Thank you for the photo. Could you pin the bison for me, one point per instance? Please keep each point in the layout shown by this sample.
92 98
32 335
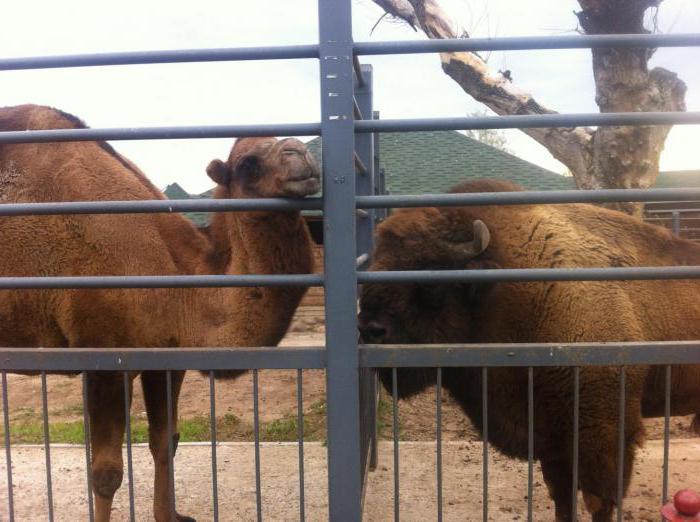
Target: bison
536 236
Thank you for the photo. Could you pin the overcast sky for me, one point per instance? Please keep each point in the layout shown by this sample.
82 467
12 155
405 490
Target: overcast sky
287 91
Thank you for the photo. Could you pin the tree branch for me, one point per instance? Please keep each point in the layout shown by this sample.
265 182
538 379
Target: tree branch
570 146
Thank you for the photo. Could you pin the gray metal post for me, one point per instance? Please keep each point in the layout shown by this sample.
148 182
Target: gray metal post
364 146
337 130
676 222
379 175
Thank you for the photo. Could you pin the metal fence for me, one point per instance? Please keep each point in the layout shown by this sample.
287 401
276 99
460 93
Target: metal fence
347 127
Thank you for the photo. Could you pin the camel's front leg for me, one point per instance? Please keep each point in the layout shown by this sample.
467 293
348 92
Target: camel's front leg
106 410
155 396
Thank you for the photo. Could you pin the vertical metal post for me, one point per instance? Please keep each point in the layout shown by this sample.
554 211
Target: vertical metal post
88 458
8 452
47 444
129 455
530 438
375 425
395 429
300 438
364 146
171 444
621 446
337 131
667 433
485 437
379 180
256 435
438 436
212 426
574 449
676 222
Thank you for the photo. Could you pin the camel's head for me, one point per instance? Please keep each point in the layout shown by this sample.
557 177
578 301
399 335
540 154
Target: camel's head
267 168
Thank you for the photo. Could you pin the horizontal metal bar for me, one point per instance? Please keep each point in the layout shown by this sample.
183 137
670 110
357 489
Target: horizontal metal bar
183 281
363 202
525 197
529 354
161 133
140 359
529 121
167 205
164 56
522 43
671 210
531 274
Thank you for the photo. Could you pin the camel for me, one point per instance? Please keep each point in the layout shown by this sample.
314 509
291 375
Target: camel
258 242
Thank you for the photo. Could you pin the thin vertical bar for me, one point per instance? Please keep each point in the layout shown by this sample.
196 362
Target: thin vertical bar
438 414
485 454
212 420
129 461
8 451
676 222
574 459
395 410
88 460
256 434
342 375
621 444
375 428
300 438
530 438
364 147
47 444
667 430
171 449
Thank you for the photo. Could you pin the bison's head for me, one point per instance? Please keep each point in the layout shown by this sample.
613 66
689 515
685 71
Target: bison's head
422 313
267 168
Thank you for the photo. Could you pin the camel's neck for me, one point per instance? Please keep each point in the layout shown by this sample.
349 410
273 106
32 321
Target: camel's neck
255 243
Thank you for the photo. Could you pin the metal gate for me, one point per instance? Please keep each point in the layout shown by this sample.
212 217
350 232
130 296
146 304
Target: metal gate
350 206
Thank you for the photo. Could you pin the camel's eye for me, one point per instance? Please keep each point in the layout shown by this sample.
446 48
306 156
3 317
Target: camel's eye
248 166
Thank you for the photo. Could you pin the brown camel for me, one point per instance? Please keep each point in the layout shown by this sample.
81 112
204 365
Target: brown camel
144 244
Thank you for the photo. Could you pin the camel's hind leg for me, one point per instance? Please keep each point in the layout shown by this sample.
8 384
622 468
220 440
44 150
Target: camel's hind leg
155 396
106 410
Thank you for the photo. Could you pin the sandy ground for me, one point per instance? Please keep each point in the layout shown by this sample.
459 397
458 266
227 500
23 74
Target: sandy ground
462 459
462 491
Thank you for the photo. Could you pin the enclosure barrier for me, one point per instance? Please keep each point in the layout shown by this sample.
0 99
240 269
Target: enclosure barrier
351 179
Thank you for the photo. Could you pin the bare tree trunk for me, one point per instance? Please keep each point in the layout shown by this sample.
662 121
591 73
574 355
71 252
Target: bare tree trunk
627 157
609 157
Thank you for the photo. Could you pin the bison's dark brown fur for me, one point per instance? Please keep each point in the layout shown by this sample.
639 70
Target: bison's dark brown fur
541 237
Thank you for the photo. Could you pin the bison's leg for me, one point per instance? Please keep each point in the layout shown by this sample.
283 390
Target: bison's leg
155 396
106 410
598 462
557 475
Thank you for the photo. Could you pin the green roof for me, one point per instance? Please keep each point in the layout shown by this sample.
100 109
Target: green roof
435 161
678 179
175 191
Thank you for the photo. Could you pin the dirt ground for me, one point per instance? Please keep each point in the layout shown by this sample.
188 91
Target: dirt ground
462 491
462 458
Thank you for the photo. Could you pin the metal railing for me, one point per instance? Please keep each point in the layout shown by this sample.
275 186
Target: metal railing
345 96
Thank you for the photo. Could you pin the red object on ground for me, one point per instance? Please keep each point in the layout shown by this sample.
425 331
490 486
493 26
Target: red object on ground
685 507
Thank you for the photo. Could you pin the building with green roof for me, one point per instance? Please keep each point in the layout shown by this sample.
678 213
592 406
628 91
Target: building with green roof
434 161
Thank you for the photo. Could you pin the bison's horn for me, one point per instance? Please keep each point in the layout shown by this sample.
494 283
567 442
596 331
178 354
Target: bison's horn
465 251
